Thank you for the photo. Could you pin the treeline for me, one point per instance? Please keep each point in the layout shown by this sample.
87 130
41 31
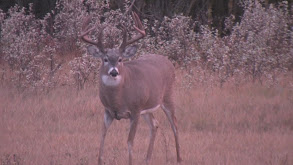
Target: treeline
205 12
259 48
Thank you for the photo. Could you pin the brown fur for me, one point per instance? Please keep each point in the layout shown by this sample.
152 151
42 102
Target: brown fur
145 83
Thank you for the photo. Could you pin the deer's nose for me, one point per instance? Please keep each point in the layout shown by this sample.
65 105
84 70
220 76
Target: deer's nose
114 73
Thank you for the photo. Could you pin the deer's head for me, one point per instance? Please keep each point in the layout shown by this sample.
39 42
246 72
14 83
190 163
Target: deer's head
112 59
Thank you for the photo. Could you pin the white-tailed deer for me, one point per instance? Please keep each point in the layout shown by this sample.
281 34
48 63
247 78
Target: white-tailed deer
131 89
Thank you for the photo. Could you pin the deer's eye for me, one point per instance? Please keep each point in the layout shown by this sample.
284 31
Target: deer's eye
105 60
120 60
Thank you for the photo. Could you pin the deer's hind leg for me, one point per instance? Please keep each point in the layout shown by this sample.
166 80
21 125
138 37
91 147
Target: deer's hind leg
153 124
169 109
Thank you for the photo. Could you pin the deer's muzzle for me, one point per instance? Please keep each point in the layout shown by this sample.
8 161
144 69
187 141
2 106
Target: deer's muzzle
114 73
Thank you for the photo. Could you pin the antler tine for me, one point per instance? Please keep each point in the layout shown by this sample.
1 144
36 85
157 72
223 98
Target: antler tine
100 40
124 42
86 30
138 27
86 23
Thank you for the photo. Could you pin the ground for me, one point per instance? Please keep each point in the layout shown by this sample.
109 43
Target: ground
247 124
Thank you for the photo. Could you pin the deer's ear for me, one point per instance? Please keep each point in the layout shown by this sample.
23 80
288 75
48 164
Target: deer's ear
95 51
129 51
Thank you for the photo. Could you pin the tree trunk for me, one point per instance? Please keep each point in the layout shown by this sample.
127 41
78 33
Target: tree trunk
210 13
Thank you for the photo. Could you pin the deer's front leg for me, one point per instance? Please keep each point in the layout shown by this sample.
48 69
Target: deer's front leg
132 131
107 122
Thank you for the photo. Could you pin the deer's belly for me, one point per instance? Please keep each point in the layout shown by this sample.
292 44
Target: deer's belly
119 114
149 110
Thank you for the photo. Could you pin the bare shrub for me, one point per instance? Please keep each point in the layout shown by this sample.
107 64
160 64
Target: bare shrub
82 69
2 16
53 65
258 47
174 37
29 50
67 24
22 40
261 40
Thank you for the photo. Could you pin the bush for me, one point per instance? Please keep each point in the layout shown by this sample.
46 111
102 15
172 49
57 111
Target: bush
257 48
260 46
22 41
262 40
175 38
67 24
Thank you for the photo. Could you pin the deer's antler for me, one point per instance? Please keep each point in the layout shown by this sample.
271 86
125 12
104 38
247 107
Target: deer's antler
138 27
86 30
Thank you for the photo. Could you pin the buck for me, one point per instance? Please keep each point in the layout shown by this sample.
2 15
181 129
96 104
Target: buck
132 89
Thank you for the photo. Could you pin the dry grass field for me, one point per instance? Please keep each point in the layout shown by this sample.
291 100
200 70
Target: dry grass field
250 124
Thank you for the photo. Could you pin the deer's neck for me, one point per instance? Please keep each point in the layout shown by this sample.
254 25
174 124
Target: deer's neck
112 98
110 90
110 85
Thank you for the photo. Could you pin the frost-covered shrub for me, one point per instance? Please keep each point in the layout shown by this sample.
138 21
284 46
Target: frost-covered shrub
174 37
28 49
22 40
69 19
2 16
20 37
258 47
214 54
67 24
261 40
82 69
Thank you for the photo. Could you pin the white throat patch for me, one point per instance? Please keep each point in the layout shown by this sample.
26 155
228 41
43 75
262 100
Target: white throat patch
111 81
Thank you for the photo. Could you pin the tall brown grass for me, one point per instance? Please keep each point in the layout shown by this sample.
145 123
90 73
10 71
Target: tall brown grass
248 124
